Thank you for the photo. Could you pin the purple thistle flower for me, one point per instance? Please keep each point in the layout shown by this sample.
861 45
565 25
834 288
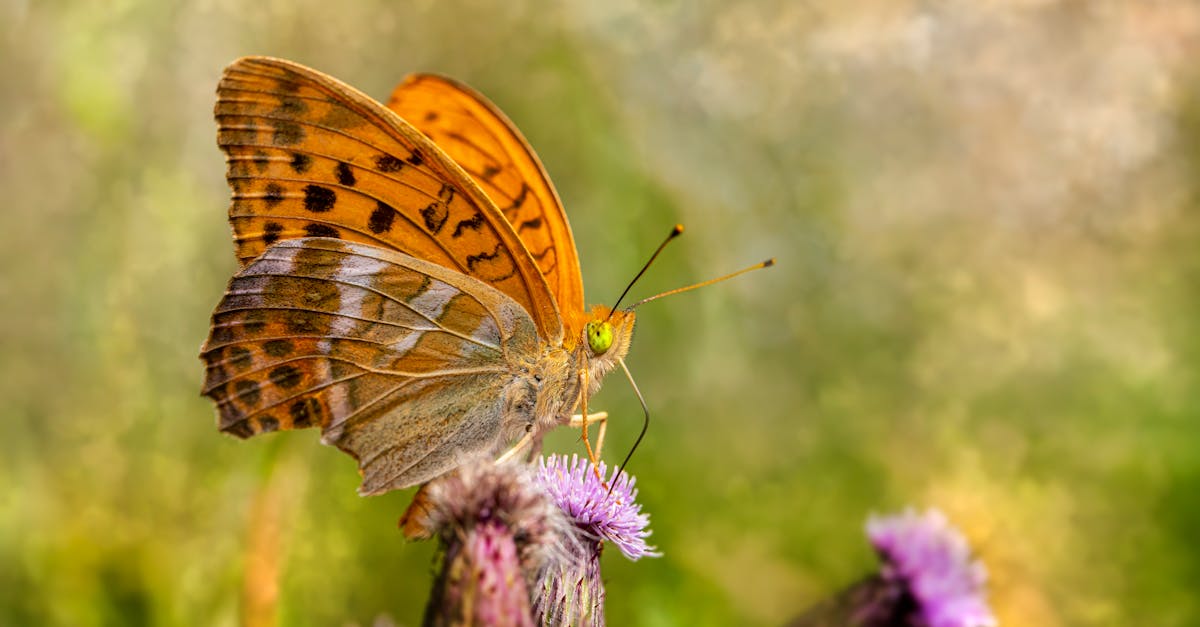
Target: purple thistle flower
522 543
615 516
931 561
572 591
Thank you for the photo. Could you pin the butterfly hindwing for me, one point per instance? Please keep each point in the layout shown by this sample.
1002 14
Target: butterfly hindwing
402 363
488 146
309 156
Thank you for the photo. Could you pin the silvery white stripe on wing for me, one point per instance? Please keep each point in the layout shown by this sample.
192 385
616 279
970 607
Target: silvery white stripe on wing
488 332
336 396
351 300
279 260
410 339
432 302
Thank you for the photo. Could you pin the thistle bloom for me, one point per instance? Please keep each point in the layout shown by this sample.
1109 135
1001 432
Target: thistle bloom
930 559
522 544
599 513
573 592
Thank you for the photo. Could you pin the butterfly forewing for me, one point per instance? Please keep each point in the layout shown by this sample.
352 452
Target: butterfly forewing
377 348
311 157
481 139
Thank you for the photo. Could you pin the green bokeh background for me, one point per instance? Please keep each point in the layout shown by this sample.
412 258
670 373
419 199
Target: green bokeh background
986 221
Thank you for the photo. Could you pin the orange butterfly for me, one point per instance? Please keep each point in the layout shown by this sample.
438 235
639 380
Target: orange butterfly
418 301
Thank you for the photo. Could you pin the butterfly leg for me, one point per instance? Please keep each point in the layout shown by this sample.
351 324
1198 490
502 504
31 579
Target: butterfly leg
525 442
601 417
583 425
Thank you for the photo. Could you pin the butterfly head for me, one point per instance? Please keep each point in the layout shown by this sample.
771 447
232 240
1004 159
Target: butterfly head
607 333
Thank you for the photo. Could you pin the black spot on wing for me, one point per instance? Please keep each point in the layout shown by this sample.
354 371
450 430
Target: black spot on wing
290 105
240 358
278 348
213 356
305 412
254 322
271 232
520 199
474 260
273 194
300 162
388 163
344 174
546 268
286 86
236 131
286 377
474 223
381 218
287 133
239 428
535 223
223 335
314 229
318 199
433 219
438 211
415 158
247 391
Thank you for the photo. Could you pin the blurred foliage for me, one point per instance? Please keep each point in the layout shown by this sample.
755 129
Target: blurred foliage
986 220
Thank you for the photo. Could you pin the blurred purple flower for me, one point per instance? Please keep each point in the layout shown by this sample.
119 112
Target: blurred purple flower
931 561
615 516
927 579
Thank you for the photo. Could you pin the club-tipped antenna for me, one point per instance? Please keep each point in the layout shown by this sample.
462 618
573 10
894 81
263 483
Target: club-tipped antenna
675 232
758 266
645 424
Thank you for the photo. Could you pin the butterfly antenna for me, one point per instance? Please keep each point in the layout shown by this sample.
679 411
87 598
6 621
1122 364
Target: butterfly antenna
675 232
645 424
758 266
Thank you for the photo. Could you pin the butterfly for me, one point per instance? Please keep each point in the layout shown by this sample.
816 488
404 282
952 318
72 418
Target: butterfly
409 282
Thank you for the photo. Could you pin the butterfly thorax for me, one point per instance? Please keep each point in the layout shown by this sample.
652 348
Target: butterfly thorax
556 378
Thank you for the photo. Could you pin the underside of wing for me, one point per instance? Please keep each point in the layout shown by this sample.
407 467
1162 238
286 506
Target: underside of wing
402 363
309 156
488 146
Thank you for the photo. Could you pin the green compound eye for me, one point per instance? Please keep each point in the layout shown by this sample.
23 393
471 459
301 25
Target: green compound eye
599 336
